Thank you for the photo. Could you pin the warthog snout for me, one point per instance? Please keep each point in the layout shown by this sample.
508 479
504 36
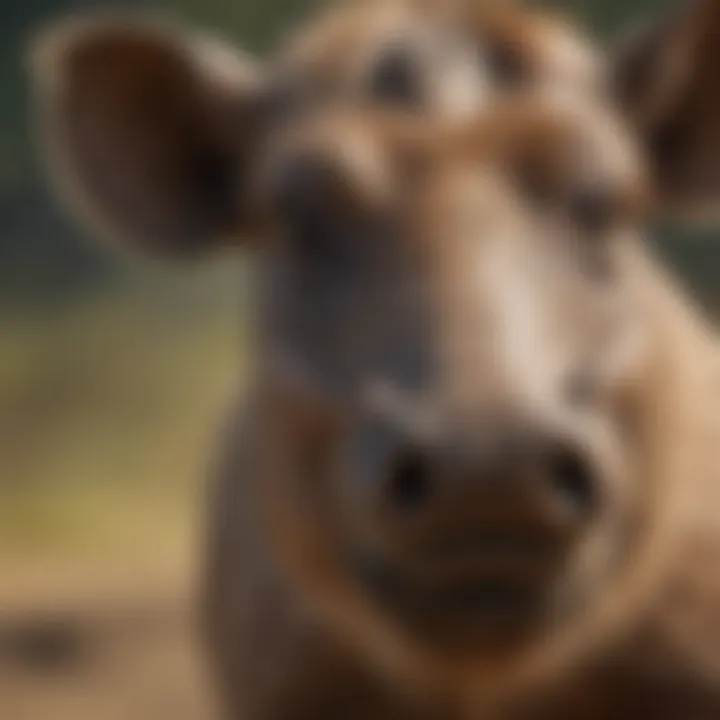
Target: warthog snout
474 526
551 479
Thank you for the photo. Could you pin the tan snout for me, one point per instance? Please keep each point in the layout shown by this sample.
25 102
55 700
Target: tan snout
478 522
506 475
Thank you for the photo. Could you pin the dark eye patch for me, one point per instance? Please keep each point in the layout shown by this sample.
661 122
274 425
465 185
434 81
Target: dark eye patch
310 191
396 78
505 64
594 209
326 221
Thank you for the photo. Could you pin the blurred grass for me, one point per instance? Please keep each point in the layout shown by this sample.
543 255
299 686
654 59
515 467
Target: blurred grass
108 410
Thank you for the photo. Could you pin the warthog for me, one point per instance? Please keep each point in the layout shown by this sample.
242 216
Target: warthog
474 474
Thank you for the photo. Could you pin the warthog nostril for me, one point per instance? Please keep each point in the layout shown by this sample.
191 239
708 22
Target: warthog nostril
410 481
572 481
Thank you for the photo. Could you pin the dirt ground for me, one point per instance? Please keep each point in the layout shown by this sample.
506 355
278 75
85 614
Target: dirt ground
132 655
122 664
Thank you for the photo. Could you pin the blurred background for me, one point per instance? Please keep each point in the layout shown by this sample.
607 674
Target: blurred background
114 374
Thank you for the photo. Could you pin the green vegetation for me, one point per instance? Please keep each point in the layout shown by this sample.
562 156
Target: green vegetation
107 411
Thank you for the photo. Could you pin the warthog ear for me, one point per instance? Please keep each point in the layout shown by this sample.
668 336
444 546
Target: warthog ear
667 78
148 130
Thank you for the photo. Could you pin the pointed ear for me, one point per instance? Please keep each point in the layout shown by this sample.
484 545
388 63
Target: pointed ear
667 78
148 130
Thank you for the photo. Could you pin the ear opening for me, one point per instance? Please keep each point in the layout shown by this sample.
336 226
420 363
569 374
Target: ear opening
666 78
147 130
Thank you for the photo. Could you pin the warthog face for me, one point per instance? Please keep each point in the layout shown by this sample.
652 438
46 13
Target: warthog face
453 315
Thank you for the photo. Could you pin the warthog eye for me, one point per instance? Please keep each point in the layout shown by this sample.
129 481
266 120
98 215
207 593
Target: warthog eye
396 78
505 65
323 216
594 210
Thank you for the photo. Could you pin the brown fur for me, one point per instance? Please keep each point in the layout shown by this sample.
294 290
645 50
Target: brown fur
611 663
